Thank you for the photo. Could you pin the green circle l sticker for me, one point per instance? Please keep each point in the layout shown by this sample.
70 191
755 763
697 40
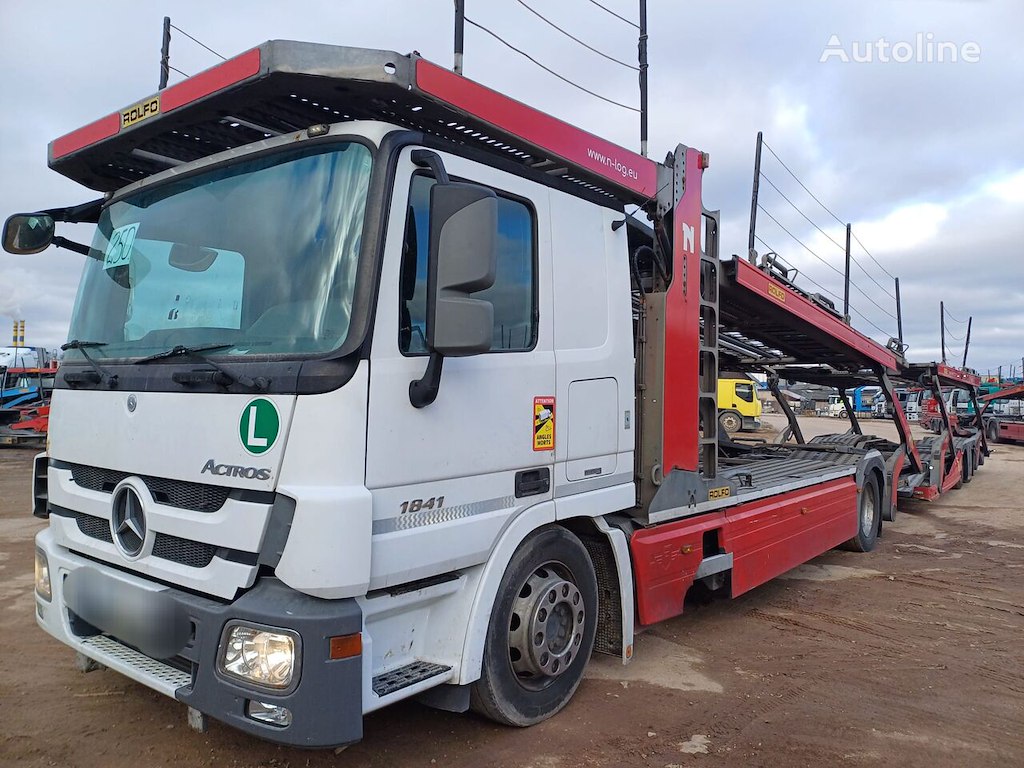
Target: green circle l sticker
259 425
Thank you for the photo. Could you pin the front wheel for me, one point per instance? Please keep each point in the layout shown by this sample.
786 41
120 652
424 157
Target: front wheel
730 421
541 631
869 518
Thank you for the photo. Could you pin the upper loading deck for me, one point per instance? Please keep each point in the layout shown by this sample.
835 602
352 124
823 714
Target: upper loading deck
281 86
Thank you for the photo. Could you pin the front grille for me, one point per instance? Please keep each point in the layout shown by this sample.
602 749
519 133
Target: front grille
95 527
194 554
198 497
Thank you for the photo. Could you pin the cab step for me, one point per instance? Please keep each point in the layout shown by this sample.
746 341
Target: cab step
416 672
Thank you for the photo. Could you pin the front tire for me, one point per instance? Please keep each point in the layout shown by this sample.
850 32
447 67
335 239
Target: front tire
541 631
869 518
730 421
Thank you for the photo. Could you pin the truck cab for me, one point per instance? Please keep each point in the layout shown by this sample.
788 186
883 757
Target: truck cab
739 408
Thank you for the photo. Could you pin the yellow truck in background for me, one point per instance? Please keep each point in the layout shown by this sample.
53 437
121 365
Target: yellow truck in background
739 408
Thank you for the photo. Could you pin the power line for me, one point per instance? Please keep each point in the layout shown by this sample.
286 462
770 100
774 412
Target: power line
547 69
891 276
950 316
783 196
197 42
823 261
823 288
797 178
572 37
827 235
178 71
613 13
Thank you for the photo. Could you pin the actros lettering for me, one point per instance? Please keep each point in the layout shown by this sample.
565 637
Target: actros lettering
233 470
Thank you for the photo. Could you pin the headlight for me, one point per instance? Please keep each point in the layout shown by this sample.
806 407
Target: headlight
43 576
267 657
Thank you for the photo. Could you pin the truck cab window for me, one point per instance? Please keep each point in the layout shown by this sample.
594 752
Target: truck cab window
513 295
745 392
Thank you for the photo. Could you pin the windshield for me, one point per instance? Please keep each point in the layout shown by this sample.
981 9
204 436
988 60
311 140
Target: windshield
260 255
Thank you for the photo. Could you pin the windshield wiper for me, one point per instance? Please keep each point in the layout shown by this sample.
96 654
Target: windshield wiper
97 374
220 376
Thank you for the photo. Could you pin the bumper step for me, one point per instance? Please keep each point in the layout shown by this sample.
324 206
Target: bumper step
397 679
156 674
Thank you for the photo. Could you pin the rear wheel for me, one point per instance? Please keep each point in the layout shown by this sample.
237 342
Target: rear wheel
730 421
968 467
869 518
541 631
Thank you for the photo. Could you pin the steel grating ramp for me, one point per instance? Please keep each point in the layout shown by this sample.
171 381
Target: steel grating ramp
777 475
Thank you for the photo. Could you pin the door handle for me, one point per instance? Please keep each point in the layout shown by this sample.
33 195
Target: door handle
532 482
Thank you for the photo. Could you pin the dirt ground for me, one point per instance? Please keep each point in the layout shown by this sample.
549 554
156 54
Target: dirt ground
911 655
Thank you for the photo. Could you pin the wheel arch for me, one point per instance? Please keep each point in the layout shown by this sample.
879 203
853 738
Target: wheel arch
604 542
872 469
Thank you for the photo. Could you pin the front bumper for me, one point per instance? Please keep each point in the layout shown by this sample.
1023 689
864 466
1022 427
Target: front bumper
326 702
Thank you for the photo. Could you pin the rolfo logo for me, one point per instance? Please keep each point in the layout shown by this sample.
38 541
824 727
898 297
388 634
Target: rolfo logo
923 49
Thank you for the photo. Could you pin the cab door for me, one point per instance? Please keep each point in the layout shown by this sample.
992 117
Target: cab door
448 477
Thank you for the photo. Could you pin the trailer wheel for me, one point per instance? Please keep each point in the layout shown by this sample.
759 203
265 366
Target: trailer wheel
968 465
869 519
541 631
993 430
730 421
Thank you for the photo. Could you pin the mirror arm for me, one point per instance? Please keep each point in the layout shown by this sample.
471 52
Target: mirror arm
88 213
423 392
71 245
424 158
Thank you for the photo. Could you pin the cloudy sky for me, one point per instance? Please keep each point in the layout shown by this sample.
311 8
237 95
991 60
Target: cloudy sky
924 158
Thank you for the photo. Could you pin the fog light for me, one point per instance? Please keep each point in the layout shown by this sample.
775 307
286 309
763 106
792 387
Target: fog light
269 713
262 656
43 576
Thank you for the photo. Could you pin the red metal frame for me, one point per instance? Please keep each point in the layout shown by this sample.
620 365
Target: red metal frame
681 421
789 300
619 165
217 78
766 537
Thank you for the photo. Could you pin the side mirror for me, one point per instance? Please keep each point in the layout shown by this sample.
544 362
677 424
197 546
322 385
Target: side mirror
26 233
462 260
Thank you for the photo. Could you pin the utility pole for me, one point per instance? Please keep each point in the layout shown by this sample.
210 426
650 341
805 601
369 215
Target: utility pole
460 29
846 280
899 313
967 342
942 328
642 56
165 54
751 251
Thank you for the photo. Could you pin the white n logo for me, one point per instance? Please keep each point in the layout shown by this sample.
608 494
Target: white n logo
689 237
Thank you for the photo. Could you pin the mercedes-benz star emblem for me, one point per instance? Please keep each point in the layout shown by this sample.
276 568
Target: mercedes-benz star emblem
128 522
132 403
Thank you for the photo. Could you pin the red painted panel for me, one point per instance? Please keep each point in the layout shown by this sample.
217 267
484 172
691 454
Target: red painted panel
230 72
771 536
214 79
766 537
682 328
103 128
948 374
665 559
619 165
1011 430
786 298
